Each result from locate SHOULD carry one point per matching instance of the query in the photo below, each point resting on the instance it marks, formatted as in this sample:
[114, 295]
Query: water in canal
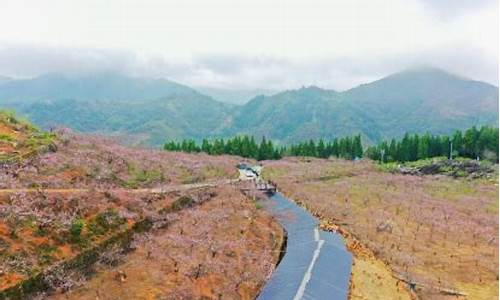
[316, 264]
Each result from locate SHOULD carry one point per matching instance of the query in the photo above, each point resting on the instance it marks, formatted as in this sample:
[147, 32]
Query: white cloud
[259, 43]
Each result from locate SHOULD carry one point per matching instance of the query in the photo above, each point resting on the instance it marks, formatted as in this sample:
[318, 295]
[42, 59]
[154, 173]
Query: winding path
[316, 264]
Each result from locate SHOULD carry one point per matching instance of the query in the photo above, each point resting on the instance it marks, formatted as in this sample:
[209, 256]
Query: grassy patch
[6, 138]
[211, 171]
[186, 176]
[22, 138]
[141, 177]
[492, 208]
[9, 117]
[270, 173]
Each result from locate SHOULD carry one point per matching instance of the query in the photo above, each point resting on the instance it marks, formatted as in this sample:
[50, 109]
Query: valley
[95, 211]
[150, 111]
[249, 150]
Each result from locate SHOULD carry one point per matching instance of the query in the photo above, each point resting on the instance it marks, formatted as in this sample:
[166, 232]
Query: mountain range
[149, 111]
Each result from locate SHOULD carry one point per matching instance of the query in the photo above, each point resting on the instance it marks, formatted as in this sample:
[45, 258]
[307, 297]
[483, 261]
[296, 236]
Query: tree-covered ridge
[473, 143]
[148, 111]
[416, 101]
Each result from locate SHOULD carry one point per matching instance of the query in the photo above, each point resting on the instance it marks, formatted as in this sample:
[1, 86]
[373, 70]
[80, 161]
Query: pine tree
[423, 147]
[392, 154]
[321, 149]
[357, 147]
[482, 143]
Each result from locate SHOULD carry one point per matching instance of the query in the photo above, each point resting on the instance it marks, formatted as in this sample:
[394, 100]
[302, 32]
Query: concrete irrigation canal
[316, 264]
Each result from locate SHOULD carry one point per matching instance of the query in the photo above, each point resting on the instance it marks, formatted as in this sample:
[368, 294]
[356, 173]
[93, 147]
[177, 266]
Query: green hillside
[302, 114]
[413, 101]
[193, 116]
[426, 100]
[151, 111]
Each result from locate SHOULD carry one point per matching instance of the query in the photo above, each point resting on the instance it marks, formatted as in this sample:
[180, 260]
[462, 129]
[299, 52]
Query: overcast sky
[250, 43]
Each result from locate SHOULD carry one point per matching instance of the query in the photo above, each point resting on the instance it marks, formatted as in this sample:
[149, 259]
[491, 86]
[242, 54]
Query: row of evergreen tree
[473, 143]
[246, 146]
[346, 147]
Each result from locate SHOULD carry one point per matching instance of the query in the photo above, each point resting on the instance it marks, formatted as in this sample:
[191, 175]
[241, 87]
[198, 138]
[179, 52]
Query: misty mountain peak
[428, 72]
[414, 100]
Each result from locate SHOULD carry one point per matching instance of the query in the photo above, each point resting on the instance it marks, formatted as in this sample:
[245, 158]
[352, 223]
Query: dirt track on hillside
[158, 190]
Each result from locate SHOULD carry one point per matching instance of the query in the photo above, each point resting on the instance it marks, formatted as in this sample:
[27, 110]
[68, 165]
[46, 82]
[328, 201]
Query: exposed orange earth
[224, 249]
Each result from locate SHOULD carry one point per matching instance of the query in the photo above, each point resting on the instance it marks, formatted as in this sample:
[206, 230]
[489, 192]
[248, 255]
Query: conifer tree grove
[473, 143]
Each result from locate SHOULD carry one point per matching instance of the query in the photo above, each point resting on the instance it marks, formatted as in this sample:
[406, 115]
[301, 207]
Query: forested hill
[413, 101]
[145, 110]
[94, 86]
[424, 100]
[302, 114]
[150, 111]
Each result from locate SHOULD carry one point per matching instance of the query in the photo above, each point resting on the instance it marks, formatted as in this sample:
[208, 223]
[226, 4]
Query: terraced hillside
[82, 214]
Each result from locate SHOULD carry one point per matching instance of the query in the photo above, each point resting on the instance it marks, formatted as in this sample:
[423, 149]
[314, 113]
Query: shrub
[45, 253]
[8, 138]
[182, 202]
[76, 229]
[104, 222]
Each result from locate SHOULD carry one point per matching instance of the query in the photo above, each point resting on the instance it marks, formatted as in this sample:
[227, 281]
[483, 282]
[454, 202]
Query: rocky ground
[456, 168]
